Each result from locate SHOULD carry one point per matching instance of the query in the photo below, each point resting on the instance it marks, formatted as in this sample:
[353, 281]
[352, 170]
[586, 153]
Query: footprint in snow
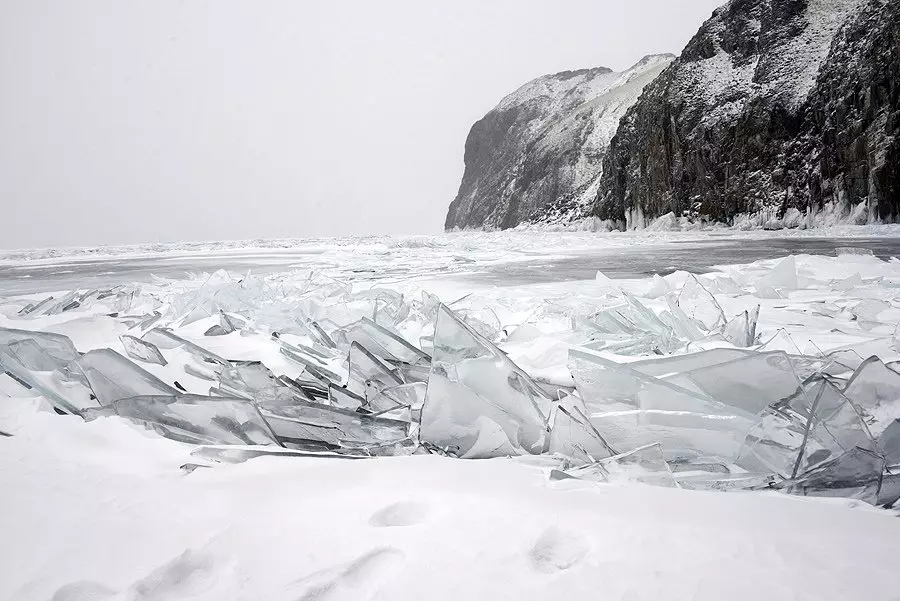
[191, 576]
[83, 591]
[403, 513]
[358, 580]
[556, 550]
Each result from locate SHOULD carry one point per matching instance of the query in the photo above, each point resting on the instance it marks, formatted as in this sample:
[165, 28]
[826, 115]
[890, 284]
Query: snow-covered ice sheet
[102, 507]
[106, 509]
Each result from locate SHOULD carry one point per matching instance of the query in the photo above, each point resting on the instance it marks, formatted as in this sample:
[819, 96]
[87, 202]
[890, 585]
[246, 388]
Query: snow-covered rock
[540, 151]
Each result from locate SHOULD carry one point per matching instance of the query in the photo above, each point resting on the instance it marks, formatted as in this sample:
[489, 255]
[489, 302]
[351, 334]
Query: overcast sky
[161, 120]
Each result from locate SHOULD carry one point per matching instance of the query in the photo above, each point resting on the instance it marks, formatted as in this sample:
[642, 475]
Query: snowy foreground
[600, 462]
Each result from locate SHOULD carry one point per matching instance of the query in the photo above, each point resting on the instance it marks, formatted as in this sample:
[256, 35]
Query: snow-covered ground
[104, 509]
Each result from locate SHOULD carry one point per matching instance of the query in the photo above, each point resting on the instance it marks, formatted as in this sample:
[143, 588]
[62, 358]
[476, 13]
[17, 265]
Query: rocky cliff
[540, 152]
[774, 104]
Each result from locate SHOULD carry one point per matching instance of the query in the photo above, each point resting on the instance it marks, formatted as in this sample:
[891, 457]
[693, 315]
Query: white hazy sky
[162, 120]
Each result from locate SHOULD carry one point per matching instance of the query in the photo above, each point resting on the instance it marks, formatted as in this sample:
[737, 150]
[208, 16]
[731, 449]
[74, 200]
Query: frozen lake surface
[209, 418]
[515, 262]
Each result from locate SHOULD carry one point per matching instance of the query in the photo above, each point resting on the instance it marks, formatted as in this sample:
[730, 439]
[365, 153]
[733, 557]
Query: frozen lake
[516, 263]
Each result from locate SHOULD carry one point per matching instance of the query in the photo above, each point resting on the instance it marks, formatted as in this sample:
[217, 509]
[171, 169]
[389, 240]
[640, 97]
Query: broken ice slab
[253, 380]
[314, 426]
[683, 326]
[147, 322]
[676, 364]
[875, 391]
[700, 306]
[142, 350]
[479, 403]
[403, 402]
[645, 465]
[869, 309]
[725, 482]
[339, 396]
[367, 373]
[195, 419]
[385, 343]
[856, 474]
[783, 275]
[65, 392]
[631, 409]
[573, 436]
[57, 346]
[233, 454]
[113, 377]
[644, 318]
[741, 330]
[166, 339]
[803, 431]
[313, 369]
[890, 488]
[749, 384]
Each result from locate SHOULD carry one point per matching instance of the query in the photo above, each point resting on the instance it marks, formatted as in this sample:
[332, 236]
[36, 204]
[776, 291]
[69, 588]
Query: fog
[125, 121]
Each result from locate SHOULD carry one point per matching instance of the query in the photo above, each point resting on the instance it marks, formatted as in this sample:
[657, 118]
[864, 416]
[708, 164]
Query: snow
[103, 510]
[103, 507]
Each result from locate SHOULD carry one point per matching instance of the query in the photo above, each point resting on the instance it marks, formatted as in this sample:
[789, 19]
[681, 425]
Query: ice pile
[681, 395]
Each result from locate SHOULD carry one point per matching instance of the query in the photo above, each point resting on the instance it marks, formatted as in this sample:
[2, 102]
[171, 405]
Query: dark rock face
[773, 104]
[540, 151]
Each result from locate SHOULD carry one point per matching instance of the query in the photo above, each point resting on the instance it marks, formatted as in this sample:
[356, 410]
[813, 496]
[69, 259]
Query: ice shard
[676, 364]
[856, 474]
[339, 396]
[41, 368]
[645, 465]
[875, 390]
[368, 374]
[384, 343]
[478, 402]
[253, 380]
[167, 339]
[57, 346]
[113, 377]
[631, 409]
[307, 425]
[142, 350]
[803, 431]
[783, 275]
[741, 329]
[573, 436]
[749, 384]
[700, 306]
[196, 419]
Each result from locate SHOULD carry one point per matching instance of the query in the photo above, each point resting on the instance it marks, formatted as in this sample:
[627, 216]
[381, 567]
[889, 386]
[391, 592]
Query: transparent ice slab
[57, 346]
[166, 339]
[631, 409]
[316, 426]
[856, 474]
[801, 432]
[113, 377]
[368, 374]
[253, 380]
[700, 306]
[875, 390]
[196, 419]
[675, 364]
[573, 436]
[62, 388]
[142, 350]
[478, 402]
[646, 465]
[749, 384]
[385, 343]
